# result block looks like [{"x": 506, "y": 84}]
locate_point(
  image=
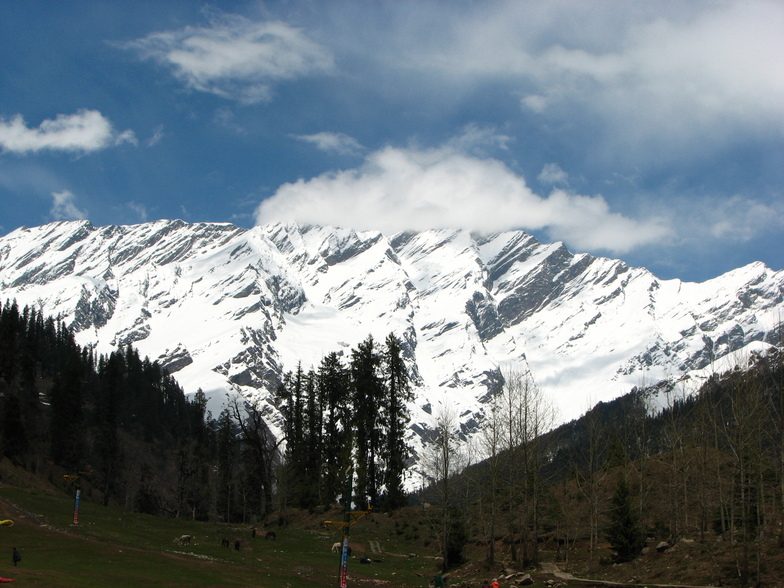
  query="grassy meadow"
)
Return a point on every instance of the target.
[{"x": 112, "y": 547}]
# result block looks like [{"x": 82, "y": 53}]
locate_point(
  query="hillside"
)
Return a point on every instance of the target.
[
  {"x": 702, "y": 483},
  {"x": 230, "y": 311}
]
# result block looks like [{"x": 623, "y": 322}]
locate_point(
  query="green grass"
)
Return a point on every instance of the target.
[{"x": 112, "y": 547}]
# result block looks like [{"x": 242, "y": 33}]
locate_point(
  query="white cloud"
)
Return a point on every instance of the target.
[
  {"x": 157, "y": 136},
  {"x": 337, "y": 142},
  {"x": 85, "y": 131},
  {"x": 535, "y": 102},
  {"x": 139, "y": 209},
  {"x": 408, "y": 189},
  {"x": 553, "y": 175},
  {"x": 64, "y": 207},
  {"x": 477, "y": 140},
  {"x": 739, "y": 219},
  {"x": 658, "y": 79},
  {"x": 236, "y": 58}
]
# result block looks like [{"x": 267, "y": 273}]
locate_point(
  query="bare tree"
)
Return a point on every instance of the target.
[
  {"x": 442, "y": 460},
  {"x": 491, "y": 444},
  {"x": 676, "y": 458},
  {"x": 261, "y": 447},
  {"x": 588, "y": 463},
  {"x": 744, "y": 437},
  {"x": 525, "y": 415}
]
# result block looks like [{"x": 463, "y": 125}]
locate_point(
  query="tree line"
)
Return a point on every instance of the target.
[
  {"x": 127, "y": 428},
  {"x": 118, "y": 420},
  {"x": 343, "y": 417},
  {"x": 707, "y": 466}
]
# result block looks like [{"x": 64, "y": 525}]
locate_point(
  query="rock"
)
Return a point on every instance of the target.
[
  {"x": 526, "y": 580},
  {"x": 686, "y": 541},
  {"x": 662, "y": 546}
]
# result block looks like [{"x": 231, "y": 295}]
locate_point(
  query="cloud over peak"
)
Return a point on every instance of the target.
[
  {"x": 64, "y": 207},
  {"x": 398, "y": 189}
]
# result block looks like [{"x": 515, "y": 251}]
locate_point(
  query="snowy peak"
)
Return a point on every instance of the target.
[{"x": 229, "y": 310}]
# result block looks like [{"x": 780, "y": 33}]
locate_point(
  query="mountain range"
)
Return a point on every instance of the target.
[{"x": 229, "y": 310}]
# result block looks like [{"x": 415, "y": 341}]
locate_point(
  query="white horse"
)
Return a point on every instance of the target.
[
  {"x": 183, "y": 539},
  {"x": 336, "y": 547}
]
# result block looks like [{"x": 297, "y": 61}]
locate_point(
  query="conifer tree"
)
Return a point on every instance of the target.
[
  {"x": 398, "y": 394},
  {"x": 14, "y": 436},
  {"x": 312, "y": 443},
  {"x": 110, "y": 390},
  {"x": 624, "y": 532},
  {"x": 66, "y": 404},
  {"x": 226, "y": 462},
  {"x": 334, "y": 392},
  {"x": 368, "y": 393}
]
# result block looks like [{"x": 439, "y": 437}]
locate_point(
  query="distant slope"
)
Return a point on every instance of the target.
[{"x": 230, "y": 310}]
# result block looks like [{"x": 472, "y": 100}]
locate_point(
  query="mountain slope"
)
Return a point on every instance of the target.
[{"x": 229, "y": 310}]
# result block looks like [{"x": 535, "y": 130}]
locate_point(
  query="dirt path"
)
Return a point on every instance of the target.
[{"x": 552, "y": 568}]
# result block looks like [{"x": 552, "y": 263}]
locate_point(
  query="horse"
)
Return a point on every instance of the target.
[
  {"x": 269, "y": 535},
  {"x": 183, "y": 539}
]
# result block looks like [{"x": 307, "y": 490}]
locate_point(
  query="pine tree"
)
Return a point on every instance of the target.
[
  {"x": 66, "y": 420},
  {"x": 107, "y": 446},
  {"x": 14, "y": 436},
  {"x": 398, "y": 394},
  {"x": 313, "y": 443},
  {"x": 226, "y": 463},
  {"x": 334, "y": 389},
  {"x": 624, "y": 532},
  {"x": 368, "y": 393}
]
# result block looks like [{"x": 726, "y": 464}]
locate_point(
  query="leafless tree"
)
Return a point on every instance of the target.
[
  {"x": 523, "y": 415},
  {"x": 261, "y": 446},
  {"x": 442, "y": 459}
]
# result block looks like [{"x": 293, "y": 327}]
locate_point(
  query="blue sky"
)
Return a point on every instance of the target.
[{"x": 648, "y": 131}]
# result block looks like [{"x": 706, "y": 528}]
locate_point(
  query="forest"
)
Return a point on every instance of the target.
[
  {"x": 705, "y": 467},
  {"x": 126, "y": 430}
]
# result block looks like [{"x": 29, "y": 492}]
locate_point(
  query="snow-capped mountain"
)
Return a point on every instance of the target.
[{"x": 229, "y": 310}]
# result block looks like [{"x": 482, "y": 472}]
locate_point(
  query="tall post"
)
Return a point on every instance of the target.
[
  {"x": 75, "y": 479},
  {"x": 76, "y": 504},
  {"x": 349, "y": 518},
  {"x": 346, "y": 527}
]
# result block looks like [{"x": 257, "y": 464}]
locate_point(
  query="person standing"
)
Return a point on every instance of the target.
[
  {"x": 495, "y": 584},
  {"x": 17, "y": 556},
  {"x": 438, "y": 581}
]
